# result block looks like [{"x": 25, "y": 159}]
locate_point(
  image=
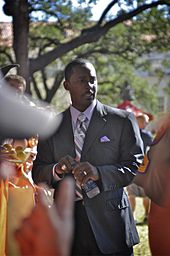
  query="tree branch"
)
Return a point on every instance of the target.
[
  {"x": 107, "y": 9},
  {"x": 36, "y": 87},
  {"x": 89, "y": 35}
]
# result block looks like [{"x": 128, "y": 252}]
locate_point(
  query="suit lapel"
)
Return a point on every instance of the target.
[
  {"x": 97, "y": 122},
  {"x": 66, "y": 136}
]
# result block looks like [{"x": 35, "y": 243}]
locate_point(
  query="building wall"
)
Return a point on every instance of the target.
[{"x": 157, "y": 61}]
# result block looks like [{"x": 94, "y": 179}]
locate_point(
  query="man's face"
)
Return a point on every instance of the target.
[{"x": 82, "y": 86}]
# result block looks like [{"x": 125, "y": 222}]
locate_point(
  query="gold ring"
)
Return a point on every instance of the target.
[
  {"x": 63, "y": 167},
  {"x": 85, "y": 173}
]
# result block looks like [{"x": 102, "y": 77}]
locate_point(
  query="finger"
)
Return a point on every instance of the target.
[
  {"x": 68, "y": 164},
  {"x": 64, "y": 165},
  {"x": 77, "y": 168},
  {"x": 80, "y": 171},
  {"x": 81, "y": 176},
  {"x": 85, "y": 179}
]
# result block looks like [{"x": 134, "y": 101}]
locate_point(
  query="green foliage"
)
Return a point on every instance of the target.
[
  {"x": 143, "y": 247},
  {"x": 115, "y": 55},
  {"x": 155, "y": 24},
  {"x": 116, "y": 63},
  {"x": 62, "y": 11}
]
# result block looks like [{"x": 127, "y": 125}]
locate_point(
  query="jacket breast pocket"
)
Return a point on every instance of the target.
[{"x": 104, "y": 152}]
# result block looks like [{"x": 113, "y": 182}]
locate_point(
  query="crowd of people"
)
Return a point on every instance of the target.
[{"x": 101, "y": 152}]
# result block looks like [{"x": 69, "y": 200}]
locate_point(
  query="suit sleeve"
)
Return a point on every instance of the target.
[{"x": 42, "y": 171}]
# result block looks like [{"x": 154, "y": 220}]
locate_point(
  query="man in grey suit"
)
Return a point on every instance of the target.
[{"x": 111, "y": 154}]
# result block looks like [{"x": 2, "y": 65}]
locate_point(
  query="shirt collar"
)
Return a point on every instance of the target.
[{"x": 88, "y": 112}]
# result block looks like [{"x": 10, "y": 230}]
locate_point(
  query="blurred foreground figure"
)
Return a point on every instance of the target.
[
  {"x": 19, "y": 119},
  {"x": 156, "y": 184},
  {"x": 156, "y": 176},
  {"x": 18, "y": 85},
  {"x": 133, "y": 189},
  {"x": 49, "y": 231}
]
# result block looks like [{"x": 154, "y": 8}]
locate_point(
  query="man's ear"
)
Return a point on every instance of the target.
[{"x": 66, "y": 85}]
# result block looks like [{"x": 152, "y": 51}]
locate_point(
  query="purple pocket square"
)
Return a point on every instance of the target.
[{"x": 104, "y": 139}]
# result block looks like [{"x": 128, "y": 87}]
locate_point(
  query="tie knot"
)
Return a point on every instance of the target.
[{"x": 81, "y": 118}]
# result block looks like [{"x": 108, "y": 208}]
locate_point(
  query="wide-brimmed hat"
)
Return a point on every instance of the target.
[{"x": 5, "y": 69}]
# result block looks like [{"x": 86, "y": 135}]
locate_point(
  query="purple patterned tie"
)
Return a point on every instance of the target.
[{"x": 79, "y": 135}]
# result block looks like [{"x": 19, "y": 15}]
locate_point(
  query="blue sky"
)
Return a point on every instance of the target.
[
  {"x": 97, "y": 10},
  {"x": 3, "y": 17}
]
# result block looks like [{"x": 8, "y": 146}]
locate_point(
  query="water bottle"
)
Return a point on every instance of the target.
[{"x": 91, "y": 189}]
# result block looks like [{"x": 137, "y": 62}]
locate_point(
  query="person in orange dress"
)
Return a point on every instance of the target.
[
  {"x": 49, "y": 231},
  {"x": 17, "y": 187}
]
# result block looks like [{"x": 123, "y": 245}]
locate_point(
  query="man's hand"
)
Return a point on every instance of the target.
[
  {"x": 84, "y": 171},
  {"x": 65, "y": 165}
]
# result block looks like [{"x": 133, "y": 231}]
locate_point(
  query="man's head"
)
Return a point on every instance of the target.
[
  {"x": 81, "y": 82},
  {"x": 17, "y": 82}
]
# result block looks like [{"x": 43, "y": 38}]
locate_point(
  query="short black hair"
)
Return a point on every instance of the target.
[{"x": 70, "y": 66}]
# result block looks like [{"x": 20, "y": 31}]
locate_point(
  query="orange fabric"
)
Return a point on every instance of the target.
[
  {"x": 155, "y": 180},
  {"x": 3, "y": 215},
  {"x": 17, "y": 198},
  {"x": 159, "y": 231},
  {"x": 20, "y": 205},
  {"x": 144, "y": 164},
  {"x": 17, "y": 193}
]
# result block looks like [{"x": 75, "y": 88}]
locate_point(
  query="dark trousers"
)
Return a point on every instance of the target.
[{"x": 84, "y": 242}]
